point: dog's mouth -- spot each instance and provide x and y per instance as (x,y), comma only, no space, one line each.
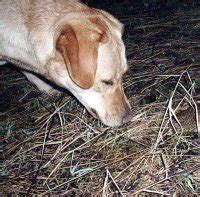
(93,112)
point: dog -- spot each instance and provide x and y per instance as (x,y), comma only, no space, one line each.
(72,45)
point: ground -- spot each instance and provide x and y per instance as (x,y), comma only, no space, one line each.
(51,145)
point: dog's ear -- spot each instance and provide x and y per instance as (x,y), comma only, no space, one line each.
(80,51)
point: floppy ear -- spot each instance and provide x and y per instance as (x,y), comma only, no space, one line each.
(80,55)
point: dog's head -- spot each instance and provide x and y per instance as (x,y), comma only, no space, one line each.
(94,54)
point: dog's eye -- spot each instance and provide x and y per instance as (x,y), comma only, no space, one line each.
(108,83)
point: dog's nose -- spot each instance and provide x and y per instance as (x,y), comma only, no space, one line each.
(127,116)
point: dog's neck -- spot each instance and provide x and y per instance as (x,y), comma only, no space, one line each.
(23,65)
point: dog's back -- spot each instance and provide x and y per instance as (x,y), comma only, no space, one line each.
(13,30)
(21,19)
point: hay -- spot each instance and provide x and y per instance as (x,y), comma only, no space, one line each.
(51,145)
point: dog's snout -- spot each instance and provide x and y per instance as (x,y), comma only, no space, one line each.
(127,115)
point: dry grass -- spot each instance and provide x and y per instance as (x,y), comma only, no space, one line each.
(52,146)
